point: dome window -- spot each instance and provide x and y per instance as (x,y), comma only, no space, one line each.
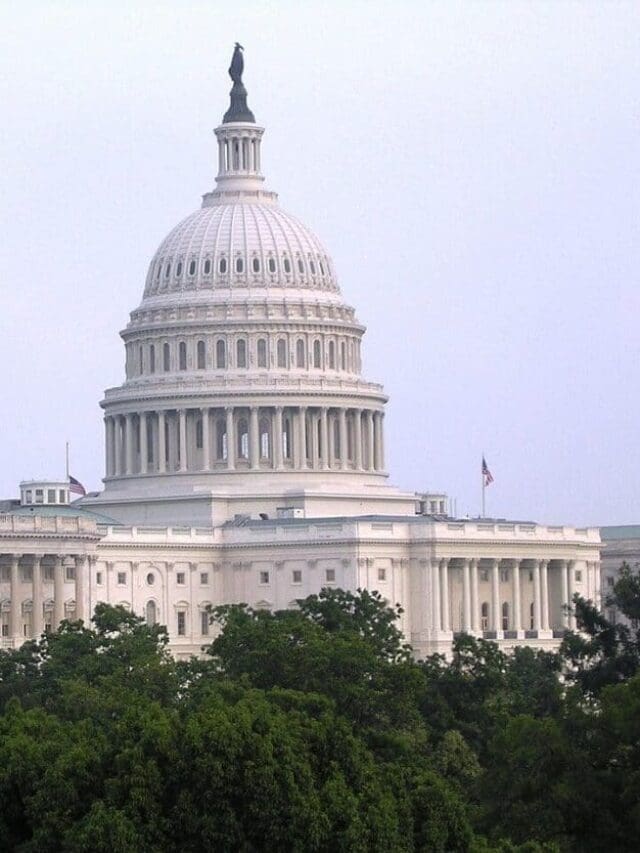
(192,268)
(316,354)
(166,358)
(179,269)
(256,264)
(272,264)
(222,266)
(321,267)
(332,355)
(241,353)
(221,354)
(152,359)
(199,435)
(312,267)
(282,353)
(262,352)
(239,265)
(207,267)
(300,353)
(287,265)
(300,265)
(151,579)
(158,271)
(243,439)
(167,271)
(202,352)
(182,356)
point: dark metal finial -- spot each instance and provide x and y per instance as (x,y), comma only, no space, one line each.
(238,109)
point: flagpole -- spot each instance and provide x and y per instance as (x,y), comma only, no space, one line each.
(483,484)
(67,458)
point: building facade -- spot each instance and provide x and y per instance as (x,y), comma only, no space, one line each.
(245,457)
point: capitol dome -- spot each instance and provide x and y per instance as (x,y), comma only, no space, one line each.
(243,362)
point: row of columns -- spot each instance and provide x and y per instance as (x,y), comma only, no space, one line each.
(35,562)
(471,604)
(302,437)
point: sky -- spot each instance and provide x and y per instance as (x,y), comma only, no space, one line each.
(473,168)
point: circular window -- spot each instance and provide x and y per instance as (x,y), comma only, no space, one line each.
(151,579)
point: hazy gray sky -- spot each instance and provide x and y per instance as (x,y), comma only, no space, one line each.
(473,169)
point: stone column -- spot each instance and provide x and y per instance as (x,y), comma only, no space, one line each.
(381,442)
(183,460)
(81,585)
(544,595)
(277,439)
(36,597)
(565,592)
(313,440)
(231,439)
(495,595)
(597,597)
(475,598)
(143,442)
(58,593)
(517,601)
(206,440)
(536,595)
(570,590)
(343,440)
(370,442)
(128,441)
(357,438)
(466,597)
(109,441)
(16,603)
(324,437)
(435,595)
(254,438)
(444,583)
(302,437)
(162,443)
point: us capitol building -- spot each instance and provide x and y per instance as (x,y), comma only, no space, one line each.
(245,458)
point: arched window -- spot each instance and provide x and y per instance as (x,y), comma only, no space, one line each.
(272,264)
(484,616)
(199,440)
(300,265)
(239,265)
(312,267)
(255,264)
(179,269)
(222,266)
(300,352)
(201,355)
(140,360)
(332,355)
(152,359)
(321,267)
(166,358)
(192,268)
(182,356)
(265,439)
(241,353)
(505,616)
(221,439)
(262,352)
(343,355)
(151,613)
(282,353)
(243,439)
(287,265)
(221,354)
(207,267)
(167,270)
(158,270)
(316,354)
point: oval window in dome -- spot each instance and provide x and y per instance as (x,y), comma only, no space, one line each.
(179,269)
(321,267)
(272,264)
(256,264)
(167,271)
(312,267)
(239,265)
(287,265)
(192,268)
(151,579)
(159,270)
(300,265)
(222,266)
(207,267)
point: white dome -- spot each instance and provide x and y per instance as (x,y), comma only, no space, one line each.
(240,245)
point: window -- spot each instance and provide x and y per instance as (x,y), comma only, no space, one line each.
(255,265)
(316,354)
(484,616)
(151,612)
(241,353)
(199,435)
(239,265)
(265,442)
(332,355)
(296,576)
(531,623)
(243,438)
(5,629)
(504,575)
(180,578)
(70,573)
(221,439)
(99,578)
(152,359)
(166,358)
(272,265)
(530,576)
(182,623)
(39,496)
(26,574)
(167,270)
(207,267)
(382,574)
(264,577)
(151,579)
(505,616)
(47,574)
(179,269)
(287,265)
(330,575)
(221,354)
(282,353)
(262,353)
(182,355)
(300,265)
(192,268)
(343,356)
(610,581)
(28,496)
(222,266)
(62,497)
(321,267)
(51,496)
(578,575)
(204,578)
(312,267)
(299,353)
(204,622)
(202,353)
(122,578)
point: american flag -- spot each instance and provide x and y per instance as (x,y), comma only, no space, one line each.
(486,473)
(76,487)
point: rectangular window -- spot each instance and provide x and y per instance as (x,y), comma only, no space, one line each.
(29,496)
(5,629)
(182,623)
(122,578)
(39,496)
(578,575)
(330,575)
(48,573)
(382,574)
(264,577)
(27,574)
(484,575)
(47,627)
(204,578)
(70,573)
(51,496)
(99,578)
(504,575)
(296,576)
(204,623)
(609,581)
(5,573)
(61,496)
(180,578)
(530,577)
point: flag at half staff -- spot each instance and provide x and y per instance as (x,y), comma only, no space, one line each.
(486,473)
(76,487)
